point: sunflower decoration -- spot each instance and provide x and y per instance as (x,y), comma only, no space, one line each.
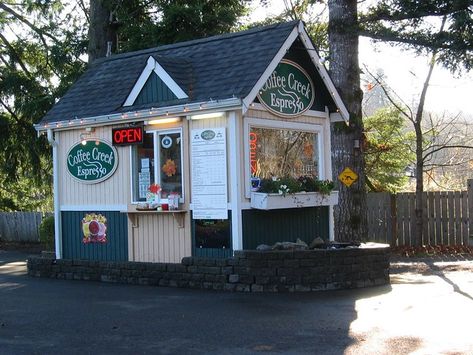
(308,150)
(169,168)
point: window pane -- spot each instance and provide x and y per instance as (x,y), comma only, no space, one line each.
(212,233)
(143,167)
(170,163)
(282,153)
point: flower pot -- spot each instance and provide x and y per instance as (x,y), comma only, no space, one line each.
(271,201)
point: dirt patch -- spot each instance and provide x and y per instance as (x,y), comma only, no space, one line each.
(432,250)
(431,265)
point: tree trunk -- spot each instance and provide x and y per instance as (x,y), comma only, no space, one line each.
(102,30)
(419,210)
(416,238)
(350,214)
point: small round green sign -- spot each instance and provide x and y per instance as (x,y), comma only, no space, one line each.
(92,162)
(289,91)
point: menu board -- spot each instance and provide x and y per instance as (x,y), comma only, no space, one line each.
(209,173)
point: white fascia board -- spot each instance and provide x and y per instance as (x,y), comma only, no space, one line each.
(336,117)
(170,83)
(269,70)
(153,65)
(140,82)
(232,103)
(323,72)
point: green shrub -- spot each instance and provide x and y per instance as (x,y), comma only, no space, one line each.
(46,233)
(289,185)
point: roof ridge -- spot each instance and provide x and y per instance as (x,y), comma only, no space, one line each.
(195,41)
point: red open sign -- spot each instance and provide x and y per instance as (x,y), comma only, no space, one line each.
(127,136)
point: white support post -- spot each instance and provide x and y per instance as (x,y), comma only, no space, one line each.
(328,171)
(235,140)
(57,212)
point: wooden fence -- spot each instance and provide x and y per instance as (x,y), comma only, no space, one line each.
(391,218)
(20,226)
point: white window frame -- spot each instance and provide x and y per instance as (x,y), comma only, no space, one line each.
(273,124)
(157,176)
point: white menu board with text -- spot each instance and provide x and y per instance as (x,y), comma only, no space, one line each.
(209,173)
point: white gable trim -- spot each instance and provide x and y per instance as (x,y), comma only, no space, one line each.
(298,31)
(323,72)
(269,70)
(153,66)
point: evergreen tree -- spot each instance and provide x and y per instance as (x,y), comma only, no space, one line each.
(40,48)
(138,24)
(388,150)
(414,25)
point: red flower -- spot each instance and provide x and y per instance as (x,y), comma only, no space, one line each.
(154,188)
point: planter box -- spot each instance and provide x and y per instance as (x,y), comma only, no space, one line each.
(265,201)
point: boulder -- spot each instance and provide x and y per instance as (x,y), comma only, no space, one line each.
(317,243)
(299,245)
(264,247)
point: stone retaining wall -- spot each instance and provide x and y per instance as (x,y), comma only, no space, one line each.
(247,271)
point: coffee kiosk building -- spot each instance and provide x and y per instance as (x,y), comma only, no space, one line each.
(158,154)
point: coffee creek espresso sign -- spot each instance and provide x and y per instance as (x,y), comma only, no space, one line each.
(92,162)
(289,91)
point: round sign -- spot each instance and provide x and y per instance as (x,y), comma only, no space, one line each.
(166,142)
(289,91)
(92,162)
(208,134)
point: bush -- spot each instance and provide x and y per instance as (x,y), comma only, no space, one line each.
(46,233)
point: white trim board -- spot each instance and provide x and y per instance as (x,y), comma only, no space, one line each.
(120,208)
(309,113)
(323,72)
(269,70)
(153,66)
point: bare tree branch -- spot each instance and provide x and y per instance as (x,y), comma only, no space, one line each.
(448,147)
(388,95)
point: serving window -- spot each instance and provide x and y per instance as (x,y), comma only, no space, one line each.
(158,161)
(278,149)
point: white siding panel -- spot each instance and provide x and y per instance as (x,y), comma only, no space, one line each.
(160,238)
(113,191)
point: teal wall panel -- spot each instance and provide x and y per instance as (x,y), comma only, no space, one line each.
(212,253)
(284,225)
(154,91)
(116,247)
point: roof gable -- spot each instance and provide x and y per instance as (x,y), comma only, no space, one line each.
(154,85)
(219,70)
(154,90)
(329,94)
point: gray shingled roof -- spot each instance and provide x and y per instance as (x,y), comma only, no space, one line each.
(218,67)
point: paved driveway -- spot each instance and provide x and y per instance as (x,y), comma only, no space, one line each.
(420,313)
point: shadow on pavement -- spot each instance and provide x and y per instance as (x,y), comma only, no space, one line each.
(43,315)
(438,271)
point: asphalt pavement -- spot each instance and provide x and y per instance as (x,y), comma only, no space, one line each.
(419,313)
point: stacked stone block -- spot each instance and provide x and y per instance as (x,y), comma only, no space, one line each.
(247,271)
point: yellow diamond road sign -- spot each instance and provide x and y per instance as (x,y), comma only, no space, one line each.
(348,177)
